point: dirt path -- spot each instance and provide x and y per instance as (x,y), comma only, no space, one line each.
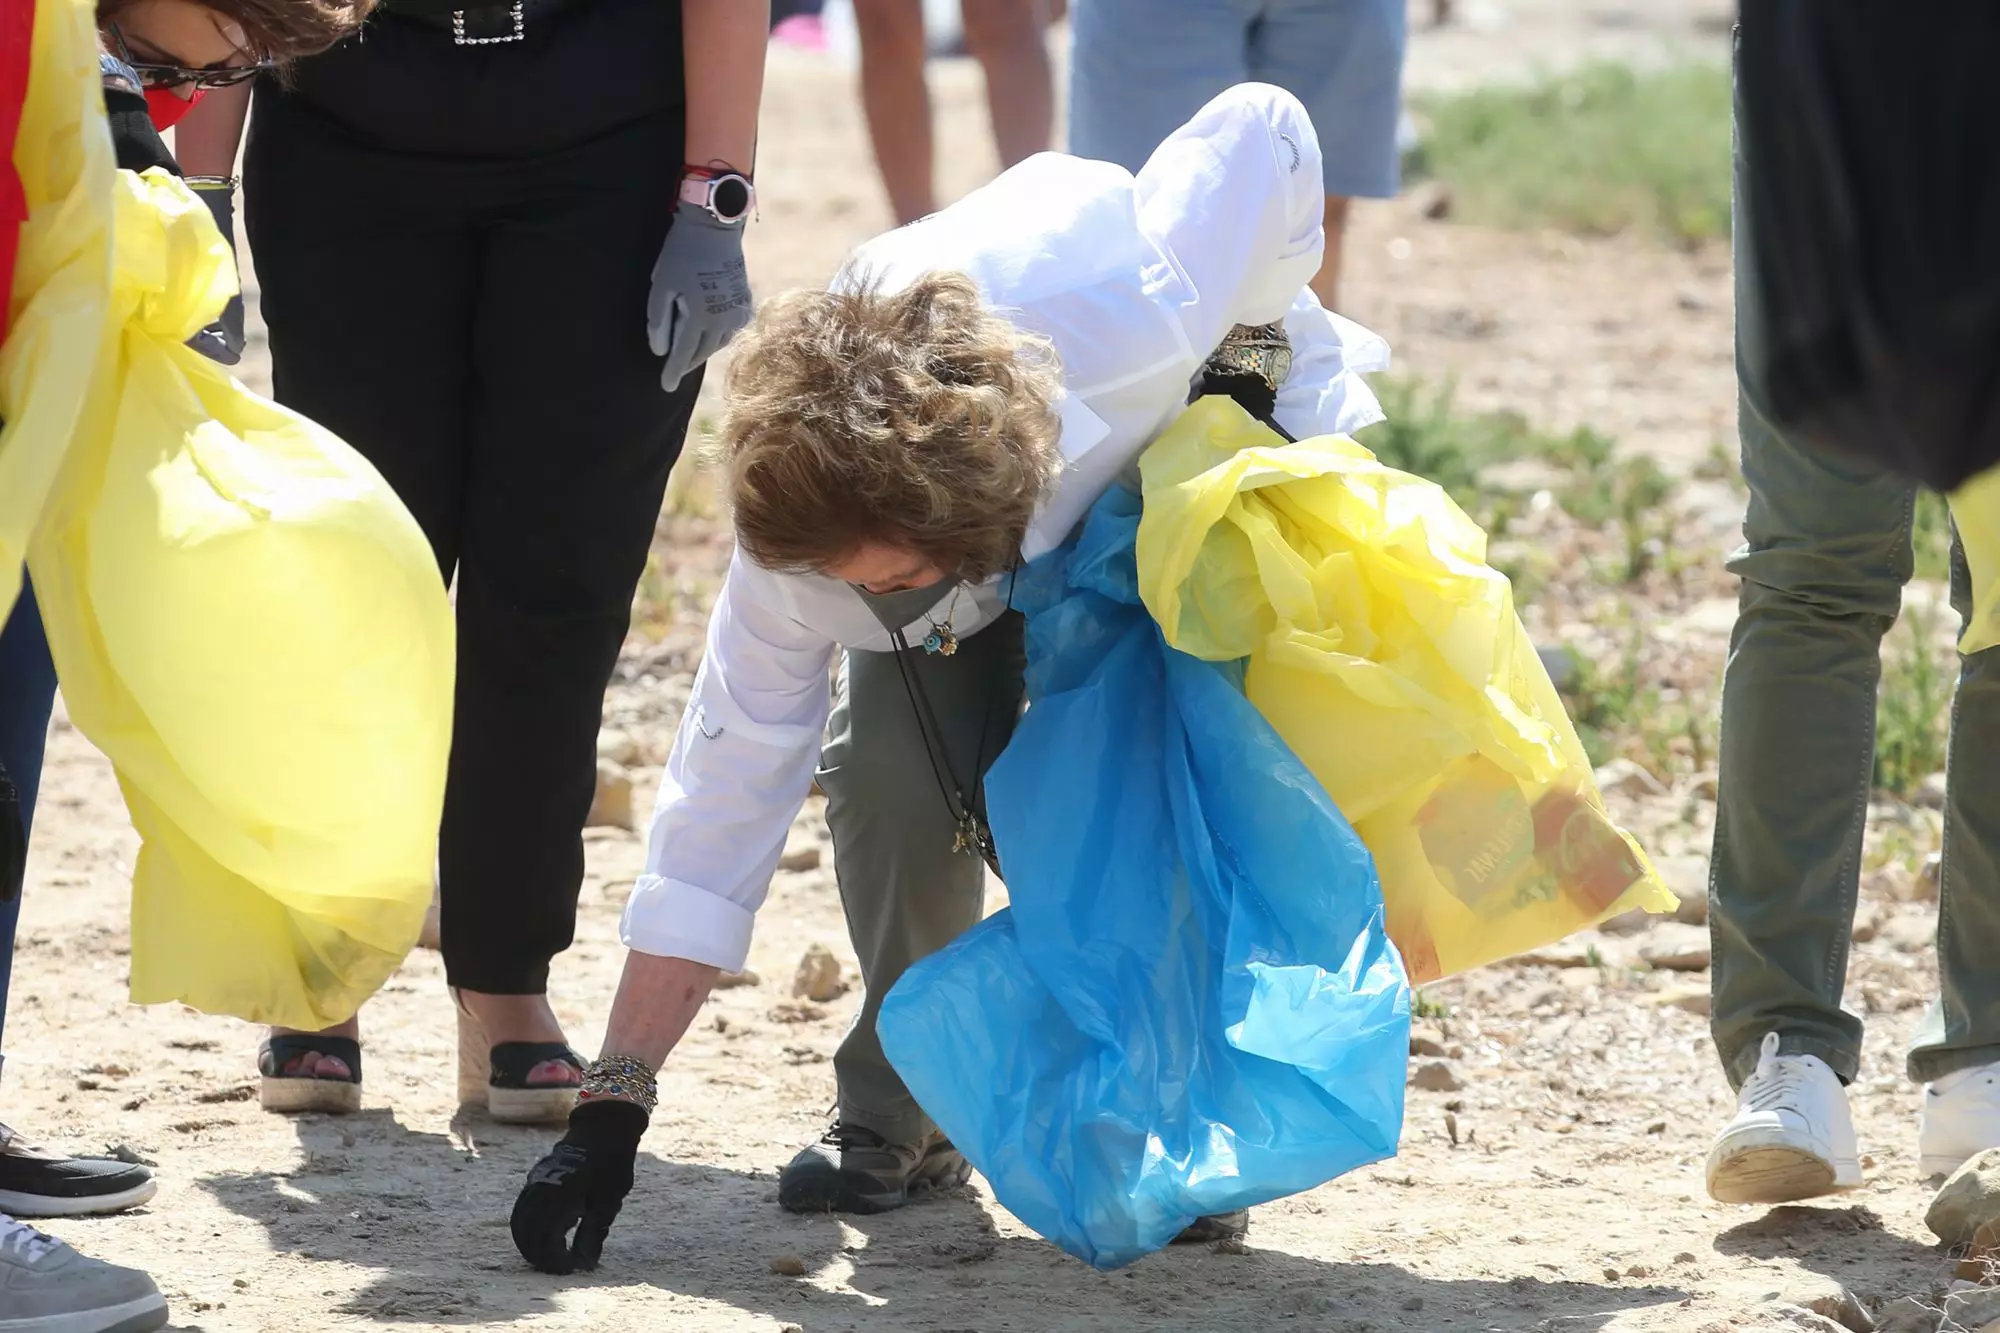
(1571,1199)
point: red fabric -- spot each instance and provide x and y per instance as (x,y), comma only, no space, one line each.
(17,32)
(166,106)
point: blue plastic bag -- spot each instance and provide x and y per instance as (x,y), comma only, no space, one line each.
(1192,1005)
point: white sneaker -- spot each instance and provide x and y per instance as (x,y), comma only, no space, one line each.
(46,1287)
(1792,1137)
(1961,1118)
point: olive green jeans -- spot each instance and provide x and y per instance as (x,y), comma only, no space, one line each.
(1826,554)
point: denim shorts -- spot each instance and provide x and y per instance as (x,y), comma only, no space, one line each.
(1139,69)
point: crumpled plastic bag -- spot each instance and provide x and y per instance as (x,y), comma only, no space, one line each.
(1190,1006)
(1387,654)
(244,617)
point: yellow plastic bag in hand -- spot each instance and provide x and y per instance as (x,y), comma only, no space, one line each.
(247,622)
(1386,652)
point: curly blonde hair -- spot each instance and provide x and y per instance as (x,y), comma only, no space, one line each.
(917,419)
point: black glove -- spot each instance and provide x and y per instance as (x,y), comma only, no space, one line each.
(580,1185)
(223,340)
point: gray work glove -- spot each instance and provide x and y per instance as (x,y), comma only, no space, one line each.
(223,340)
(701,293)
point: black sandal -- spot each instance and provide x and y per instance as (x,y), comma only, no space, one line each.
(289,1094)
(497,1076)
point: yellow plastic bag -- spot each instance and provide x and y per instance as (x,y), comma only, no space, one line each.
(244,618)
(1975,509)
(1387,654)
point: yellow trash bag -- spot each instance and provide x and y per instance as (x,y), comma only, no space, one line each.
(244,619)
(1387,653)
(1975,510)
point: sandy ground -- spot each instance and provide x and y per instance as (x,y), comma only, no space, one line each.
(1558,1189)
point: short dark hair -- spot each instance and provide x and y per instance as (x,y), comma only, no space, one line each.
(280,31)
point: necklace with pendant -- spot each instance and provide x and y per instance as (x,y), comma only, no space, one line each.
(942,641)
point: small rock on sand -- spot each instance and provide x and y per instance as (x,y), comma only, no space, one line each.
(788,1265)
(1426,1041)
(734,980)
(818,978)
(1623,777)
(1908,1315)
(1968,1201)
(805,856)
(1436,1076)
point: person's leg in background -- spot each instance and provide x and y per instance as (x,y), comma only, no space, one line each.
(27,698)
(35,1181)
(897,102)
(1140,68)
(1344,60)
(573,439)
(1957,1048)
(906,889)
(1826,554)
(367,272)
(1009,38)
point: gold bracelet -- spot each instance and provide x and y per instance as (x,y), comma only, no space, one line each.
(621,1076)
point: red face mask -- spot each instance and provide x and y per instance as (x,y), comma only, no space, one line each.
(167,106)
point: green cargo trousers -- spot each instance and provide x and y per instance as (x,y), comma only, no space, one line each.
(906,892)
(1825,556)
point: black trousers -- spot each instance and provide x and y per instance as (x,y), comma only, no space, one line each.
(455,246)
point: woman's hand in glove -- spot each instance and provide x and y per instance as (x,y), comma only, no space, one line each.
(701,293)
(580,1186)
(223,340)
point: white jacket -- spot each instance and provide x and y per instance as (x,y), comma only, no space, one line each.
(1135,280)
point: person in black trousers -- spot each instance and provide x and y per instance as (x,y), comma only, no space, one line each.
(488,239)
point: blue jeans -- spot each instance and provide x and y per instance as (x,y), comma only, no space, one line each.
(27,697)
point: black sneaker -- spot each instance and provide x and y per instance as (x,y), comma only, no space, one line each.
(35,1182)
(856,1170)
(1223,1226)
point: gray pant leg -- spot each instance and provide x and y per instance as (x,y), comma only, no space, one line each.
(906,892)
(1963,1028)
(1826,553)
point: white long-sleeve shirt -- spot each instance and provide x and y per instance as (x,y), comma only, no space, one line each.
(1135,280)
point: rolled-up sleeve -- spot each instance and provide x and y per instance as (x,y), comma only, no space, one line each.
(1233,205)
(741,766)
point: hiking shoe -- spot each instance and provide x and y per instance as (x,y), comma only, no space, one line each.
(1792,1137)
(1961,1118)
(37,1182)
(46,1287)
(855,1170)
(1222,1226)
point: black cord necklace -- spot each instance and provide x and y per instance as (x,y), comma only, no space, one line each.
(973,836)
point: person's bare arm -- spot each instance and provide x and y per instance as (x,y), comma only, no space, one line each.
(206,140)
(723,43)
(657,999)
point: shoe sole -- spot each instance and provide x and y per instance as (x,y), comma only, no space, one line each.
(44,1205)
(295,1096)
(1775,1173)
(811,1195)
(140,1316)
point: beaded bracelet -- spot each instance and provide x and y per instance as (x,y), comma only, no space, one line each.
(621,1076)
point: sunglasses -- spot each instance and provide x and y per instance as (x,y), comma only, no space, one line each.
(155,74)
